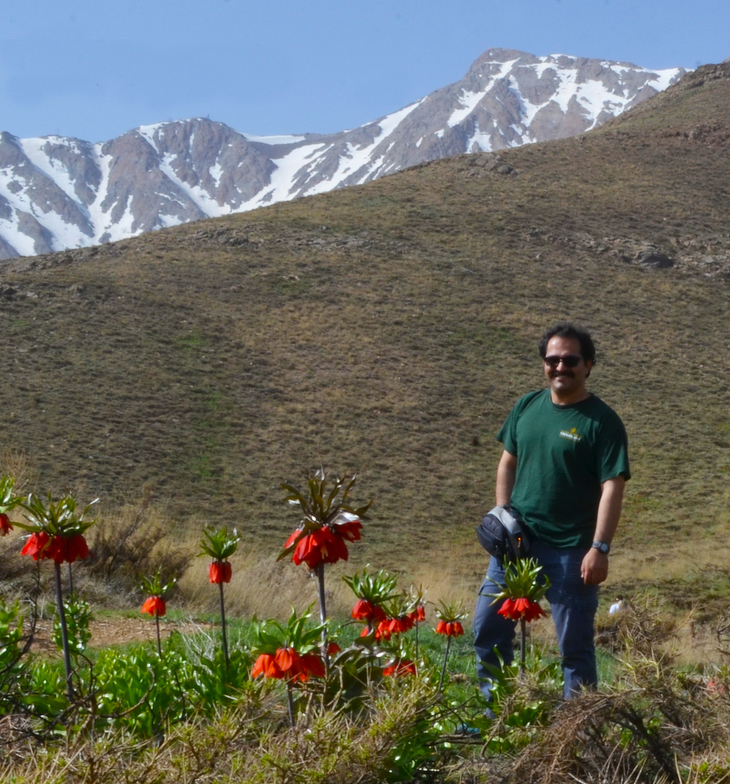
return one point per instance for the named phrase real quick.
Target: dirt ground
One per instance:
(116, 631)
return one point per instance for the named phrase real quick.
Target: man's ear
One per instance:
(589, 366)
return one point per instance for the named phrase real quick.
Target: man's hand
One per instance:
(594, 568)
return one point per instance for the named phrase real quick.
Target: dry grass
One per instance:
(654, 724)
(247, 745)
(136, 541)
(263, 587)
(18, 464)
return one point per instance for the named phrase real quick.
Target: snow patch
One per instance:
(15, 190)
(166, 221)
(469, 100)
(282, 179)
(663, 79)
(216, 172)
(51, 167)
(291, 167)
(391, 121)
(197, 194)
(479, 141)
(273, 140)
(100, 216)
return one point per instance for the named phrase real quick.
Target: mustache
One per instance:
(558, 374)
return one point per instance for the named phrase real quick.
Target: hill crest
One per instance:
(58, 193)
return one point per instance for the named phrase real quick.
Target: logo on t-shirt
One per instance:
(571, 434)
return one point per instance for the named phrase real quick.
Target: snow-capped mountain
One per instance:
(58, 193)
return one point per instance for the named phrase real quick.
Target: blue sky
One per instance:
(95, 69)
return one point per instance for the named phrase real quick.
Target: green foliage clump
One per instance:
(146, 694)
(78, 618)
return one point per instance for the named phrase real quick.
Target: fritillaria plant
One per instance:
(8, 502)
(399, 668)
(155, 604)
(417, 596)
(524, 587)
(56, 531)
(327, 524)
(374, 592)
(399, 618)
(289, 653)
(220, 546)
(449, 625)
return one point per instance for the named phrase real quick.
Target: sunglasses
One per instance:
(569, 361)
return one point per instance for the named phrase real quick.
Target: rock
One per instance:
(651, 257)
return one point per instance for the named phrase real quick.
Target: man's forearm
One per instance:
(609, 509)
(506, 473)
(594, 568)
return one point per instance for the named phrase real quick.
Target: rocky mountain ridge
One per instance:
(59, 193)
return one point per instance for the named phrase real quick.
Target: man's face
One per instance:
(566, 382)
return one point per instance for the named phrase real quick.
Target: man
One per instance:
(563, 468)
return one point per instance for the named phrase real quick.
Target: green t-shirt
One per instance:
(564, 454)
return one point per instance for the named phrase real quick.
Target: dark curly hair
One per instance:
(567, 330)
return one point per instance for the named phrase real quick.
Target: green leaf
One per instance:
(219, 545)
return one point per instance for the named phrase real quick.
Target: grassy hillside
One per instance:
(387, 329)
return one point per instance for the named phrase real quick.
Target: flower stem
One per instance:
(443, 669)
(416, 645)
(64, 632)
(322, 604)
(523, 638)
(223, 627)
(157, 628)
(290, 700)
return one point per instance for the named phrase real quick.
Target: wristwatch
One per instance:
(602, 547)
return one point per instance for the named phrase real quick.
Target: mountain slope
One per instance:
(58, 193)
(387, 328)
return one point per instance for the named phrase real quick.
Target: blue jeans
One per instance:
(573, 605)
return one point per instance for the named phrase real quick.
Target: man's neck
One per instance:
(569, 400)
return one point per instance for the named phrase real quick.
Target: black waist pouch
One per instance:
(502, 534)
